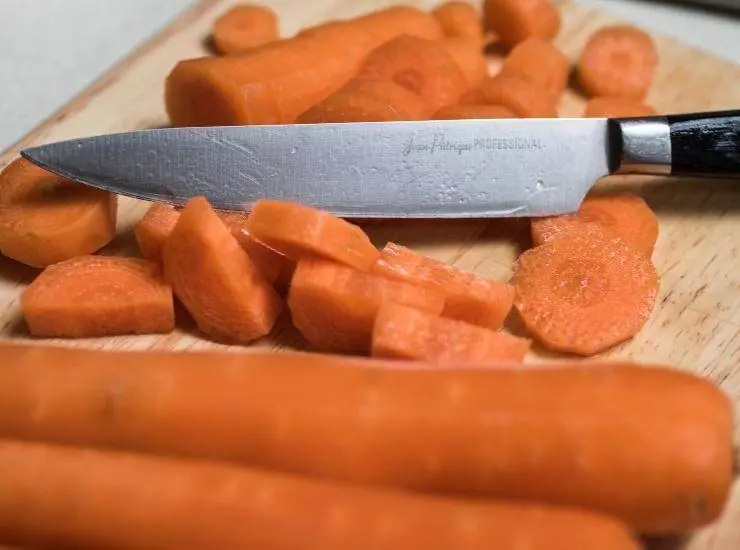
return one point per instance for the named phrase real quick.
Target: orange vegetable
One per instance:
(243, 27)
(469, 60)
(469, 298)
(539, 60)
(460, 20)
(99, 296)
(420, 65)
(215, 279)
(153, 229)
(584, 291)
(516, 20)
(282, 80)
(518, 93)
(334, 306)
(618, 61)
(495, 433)
(45, 219)
(616, 107)
(402, 332)
(462, 111)
(299, 231)
(627, 215)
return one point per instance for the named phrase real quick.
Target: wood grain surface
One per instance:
(696, 324)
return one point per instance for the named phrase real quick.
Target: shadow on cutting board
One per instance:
(669, 542)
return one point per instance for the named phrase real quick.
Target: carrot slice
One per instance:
(422, 66)
(462, 111)
(154, 228)
(619, 60)
(539, 60)
(402, 332)
(584, 291)
(243, 27)
(516, 20)
(215, 279)
(99, 296)
(334, 306)
(627, 215)
(469, 60)
(469, 297)
(45, 219)
(299, 231)
(516, 92)
(460, 20)
(616, 107)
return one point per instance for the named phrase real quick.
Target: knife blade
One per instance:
(441, 169)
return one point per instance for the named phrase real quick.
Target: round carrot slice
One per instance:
(460, 20)
(584, 291)
(457, 112)
(540, 61)
(516, 20)
(469, 59)
(518, 93)
(244, 27)
(616, 107)
(618, 61)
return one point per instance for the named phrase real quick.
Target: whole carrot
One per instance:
(589, 435)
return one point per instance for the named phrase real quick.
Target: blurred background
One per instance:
(52, 49)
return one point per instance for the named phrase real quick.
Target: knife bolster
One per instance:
(645, 145)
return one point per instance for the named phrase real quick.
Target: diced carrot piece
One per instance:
(539, 60)
(460, 20)
(334, 306)
(99, 296)
(403, 332)
(516, 20)
(154, 228)
(616, 107)
(469, 60)
(469, 297)
(243, 27)
(518, 93)
(215, 279)
(462, 111)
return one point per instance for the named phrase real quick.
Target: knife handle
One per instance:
(693, 144)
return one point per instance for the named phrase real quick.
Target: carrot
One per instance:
(299, 231)
(516, 92)
(619, 60)
(539, 60)
(627, 215)
(420, 65)
(243, 27)
(469, 60)
(584, 291)
(402, 332)
(460, 20)
(469, 298)
(616, 107)
(280, 81)
(154, 228)
(215, 279)
(516, 20)
(497, 433)
(99, 296)
(462, 111)
(45, 219)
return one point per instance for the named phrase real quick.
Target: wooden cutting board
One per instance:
(696, 324)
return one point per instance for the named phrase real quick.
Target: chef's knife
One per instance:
(441, 169)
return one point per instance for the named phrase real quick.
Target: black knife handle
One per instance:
(692, 144)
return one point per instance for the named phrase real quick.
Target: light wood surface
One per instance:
(696, 324)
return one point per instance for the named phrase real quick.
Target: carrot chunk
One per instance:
(539, 60)
(460, 20)
(616, 107)
(334, 306)
(243, 27)
(516, 92)
(584, 291)
(215, 279)
(99, 296)
(469, 60)
(402, 332)
(516, 20)
(299, 231)
(469, 298)
(627, 215)
(462, 111)
(154, 228)
(620, 61)
(45, 219)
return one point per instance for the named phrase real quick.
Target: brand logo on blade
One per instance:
(439, 144)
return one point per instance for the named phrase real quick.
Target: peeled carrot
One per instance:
(334, 306)
(627, 215)
(462, 111)
(539, 60)
(243, 27)
(584, 291)
(154, 228)
(516, 20)
(45, 219)
(469, 60)
(501, 433)
(420, 65)
(282, 80)
(616, 107)
(619, 60)
(299, 231)
(215, 279)
(516, 92)
(460, 20)
(402, 332)
(99, 296)
(469, 298)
